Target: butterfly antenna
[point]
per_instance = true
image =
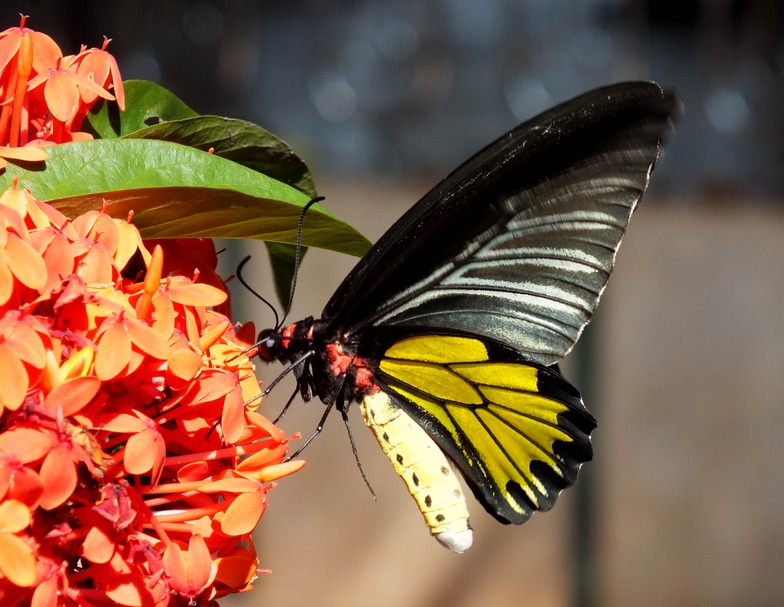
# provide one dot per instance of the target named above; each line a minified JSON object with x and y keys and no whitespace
{"x":298,"y":253}
{"x":262,"y":299}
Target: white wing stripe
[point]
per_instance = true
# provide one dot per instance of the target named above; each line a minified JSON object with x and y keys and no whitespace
{"x":524,"y":305}
{"x":519,"y":263}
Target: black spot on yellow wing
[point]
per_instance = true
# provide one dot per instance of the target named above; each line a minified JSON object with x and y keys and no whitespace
{"x":518,"y":431}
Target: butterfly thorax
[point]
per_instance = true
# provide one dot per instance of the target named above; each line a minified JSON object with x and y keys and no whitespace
{"x":331,"y":368}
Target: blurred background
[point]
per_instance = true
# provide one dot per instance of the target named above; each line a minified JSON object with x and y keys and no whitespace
{"x":684,"y":503}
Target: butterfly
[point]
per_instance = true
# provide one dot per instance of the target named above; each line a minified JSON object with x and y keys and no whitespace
{"x":448,"y":332}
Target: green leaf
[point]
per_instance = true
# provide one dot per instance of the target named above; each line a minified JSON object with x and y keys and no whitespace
{"x":254,"y":147}
{"x":155,"y":113}
{"x":241,"y":141}
{"x":238,"y":140}
{"x":146,"y":103}
{"x":178,"y":191}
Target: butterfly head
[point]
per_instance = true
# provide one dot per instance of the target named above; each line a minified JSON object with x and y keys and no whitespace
{"x":286,"y":344}
{"x":268,"y":345}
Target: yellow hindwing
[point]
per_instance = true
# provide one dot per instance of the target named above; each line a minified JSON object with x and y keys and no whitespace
{"x":492,"y":412}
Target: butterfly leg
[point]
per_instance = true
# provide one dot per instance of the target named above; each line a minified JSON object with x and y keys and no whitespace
{"x":282,"y":413}
{"x":316,"y":432}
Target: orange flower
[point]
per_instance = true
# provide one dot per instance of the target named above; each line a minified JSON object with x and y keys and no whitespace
{"x":45,"y":95}
{"x":101,"y":67}
{"x":64,"y":91}
{"x":191,"y":571}
{"x":22,"y":53}
{"x":133,"y":467}
{"x":44,"y":51}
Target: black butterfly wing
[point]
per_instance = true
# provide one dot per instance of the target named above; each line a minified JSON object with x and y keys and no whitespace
{"x":518,"y":243}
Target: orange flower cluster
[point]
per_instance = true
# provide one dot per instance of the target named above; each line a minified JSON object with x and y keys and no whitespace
{"x":132,"y":469}
{"x":46,"y":95}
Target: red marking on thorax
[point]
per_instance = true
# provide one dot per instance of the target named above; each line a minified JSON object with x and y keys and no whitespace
{"x":339,"y":363}
{"x":365,"y":380}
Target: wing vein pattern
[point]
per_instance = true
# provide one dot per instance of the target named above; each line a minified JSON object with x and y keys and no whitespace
{"x":519,"y":242}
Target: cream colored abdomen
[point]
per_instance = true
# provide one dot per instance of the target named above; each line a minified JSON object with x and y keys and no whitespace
{"x":424,"y":468}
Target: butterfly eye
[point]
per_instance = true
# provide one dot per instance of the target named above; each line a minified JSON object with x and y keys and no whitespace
{"x":266,"y":344}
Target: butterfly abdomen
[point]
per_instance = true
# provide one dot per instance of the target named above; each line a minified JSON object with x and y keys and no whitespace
{"x":424,"y":468}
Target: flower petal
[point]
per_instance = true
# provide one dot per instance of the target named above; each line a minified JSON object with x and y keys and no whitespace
{"x":129,"y":590}
{"x":17,"y":561}
{"x":120,"y":422}
{"x":26,"y":444}
{"x":25,"y":262}
{"x":58,"y":475}
{"x":114,"y":352}
{"x":263,"y":458}
{"x":233,"y":416}
{"x":6,"y":283}
{"x":62,"y":95}
{"x":148,"y":340}
{"x":9,"y":45}
{"x":129,"y":241}
{"x":45,"y":51}
{"x":13,"y":379}
{"x":244,"y":513}
{"x":175,"y":561}
{"x":184,"y":364}
{"x":237,"y":570}
{"x":96,"y":265}
{"x":27,"y":154}
{"x":98,"y":547}
{"x":198,"y":294}
{"x":25,"y":342}
{"x":145,"y":452}
{"x":57,"y":254}
{"x":14,"y":516}
{"x":73,"y":394}
{"x":276,"y":471}
{"x":98,"y":227}
{"x":46,"y":593}
{"x":26,"y":487}
{"x":201,"y":570}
